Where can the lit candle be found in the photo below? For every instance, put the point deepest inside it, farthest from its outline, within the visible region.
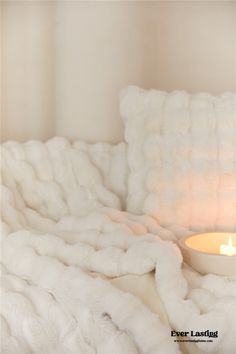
(228, 250)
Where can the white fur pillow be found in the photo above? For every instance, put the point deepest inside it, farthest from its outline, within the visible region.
(182, 157)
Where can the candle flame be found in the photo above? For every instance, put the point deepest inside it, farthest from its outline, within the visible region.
(229, 249)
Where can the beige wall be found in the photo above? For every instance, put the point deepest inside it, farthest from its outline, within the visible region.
(27, 88)
(65, 62)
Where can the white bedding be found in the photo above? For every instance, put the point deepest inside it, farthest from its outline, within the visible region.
(144, 287)
(182, 157)
(53, 304)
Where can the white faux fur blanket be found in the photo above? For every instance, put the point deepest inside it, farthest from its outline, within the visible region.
(51, 304)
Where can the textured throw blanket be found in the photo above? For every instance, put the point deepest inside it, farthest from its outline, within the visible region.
(50, 302)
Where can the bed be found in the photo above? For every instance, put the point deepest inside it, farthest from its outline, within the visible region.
(82, 273)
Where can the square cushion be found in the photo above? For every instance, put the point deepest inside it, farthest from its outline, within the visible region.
(182, 157)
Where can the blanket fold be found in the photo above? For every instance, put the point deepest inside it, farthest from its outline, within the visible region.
(50, 302)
